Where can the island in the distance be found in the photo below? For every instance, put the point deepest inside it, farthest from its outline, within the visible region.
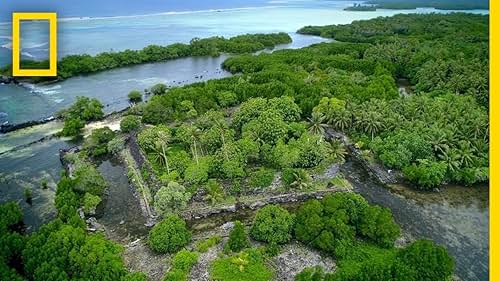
(373, 5)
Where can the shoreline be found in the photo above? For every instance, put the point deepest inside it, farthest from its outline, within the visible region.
(6, 80)
(108, 118)
(221, 45)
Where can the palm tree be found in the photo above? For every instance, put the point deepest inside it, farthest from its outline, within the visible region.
(159, 154)
(438, 140)
(302, 180)
(466, 154)
(337, 150)
(479, 128)
(341, 120)
(481, 148)
(317, 124)
(452, 159)
(160, 149)
(370, 122)
(195, 136)
(222, 127)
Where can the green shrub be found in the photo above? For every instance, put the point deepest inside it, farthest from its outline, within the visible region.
(180, 160)
(72, 127)
(90, 202)
(378, 225)
(204, 245)
(97, 142)
(272, 224)
(366, 262)
(170, 199)
(426, 174)
(158, 89)
(11, 214)
(167, 178)
(130, 123)
(429, 261)
(311, 274)
(184, 260)
(238, 239)
(271, 250)
(74, 254)
(261, 178)
(197, 173)
(169, 235)
(116, 145)
(85, 109)
(245, 266)
(175, 275)
(182, 263)
(332, 223)
(88, 178)
(135, 96)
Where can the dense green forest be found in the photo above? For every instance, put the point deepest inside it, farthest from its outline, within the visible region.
(74, 65)
(359, 235)
(227, 140)
(438, 134)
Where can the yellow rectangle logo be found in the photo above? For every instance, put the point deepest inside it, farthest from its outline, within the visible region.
(16, 44)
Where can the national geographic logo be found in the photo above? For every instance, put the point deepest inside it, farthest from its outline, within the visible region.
(16, 44)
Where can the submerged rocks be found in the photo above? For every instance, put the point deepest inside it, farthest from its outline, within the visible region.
(8, 80)
(7, 127)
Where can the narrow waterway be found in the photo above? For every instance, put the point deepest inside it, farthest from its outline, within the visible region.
(456, 217)
(121, 212)
(19, 104)
(26, 167)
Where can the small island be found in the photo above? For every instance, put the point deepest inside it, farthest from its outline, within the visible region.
(439, 5)
(361, 8)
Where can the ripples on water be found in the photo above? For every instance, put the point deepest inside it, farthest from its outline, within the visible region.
(25, 168)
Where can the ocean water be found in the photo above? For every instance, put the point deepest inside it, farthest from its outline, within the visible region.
(94, 8)
(92, 35)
